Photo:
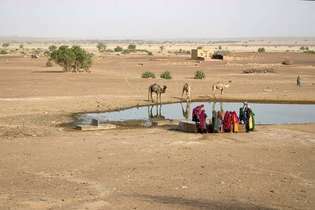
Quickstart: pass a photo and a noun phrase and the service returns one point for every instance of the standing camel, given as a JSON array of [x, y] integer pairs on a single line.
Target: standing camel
[[155, 88], [220, 86], [187, 91]]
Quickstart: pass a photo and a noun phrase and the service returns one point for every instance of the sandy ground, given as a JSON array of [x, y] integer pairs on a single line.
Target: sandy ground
[[45, 165]]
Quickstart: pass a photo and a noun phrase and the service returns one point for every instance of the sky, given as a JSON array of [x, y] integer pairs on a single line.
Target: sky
[[157, 19]]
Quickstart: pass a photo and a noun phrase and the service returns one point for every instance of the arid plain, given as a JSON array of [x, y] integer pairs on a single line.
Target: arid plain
[[45, 164]]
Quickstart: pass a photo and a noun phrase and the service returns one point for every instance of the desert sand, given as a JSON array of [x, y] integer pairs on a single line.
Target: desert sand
[[45, 164]]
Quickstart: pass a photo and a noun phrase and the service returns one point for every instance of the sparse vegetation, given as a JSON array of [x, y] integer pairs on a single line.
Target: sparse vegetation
[[199, 75], [21, 46], [166, 75], [181, 51], [52, 48], [74, 58], [310, 51], [101, 47], [261, 50], [132, 47], [3, 52], [6, 44], [118, 49], [259, 71], [162, 48], [148, 74], [304, 48]]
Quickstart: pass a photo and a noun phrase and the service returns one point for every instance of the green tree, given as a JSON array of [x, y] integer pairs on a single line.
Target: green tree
[[64, 57], [74, 58], [101, 47], [52, 48]]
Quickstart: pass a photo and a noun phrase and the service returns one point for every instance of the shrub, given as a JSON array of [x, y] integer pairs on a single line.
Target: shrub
[[6, 44], [148, 74], [132, 47], [261, 50], [109, 50], [304, 48], [166, 75], [150, 53], [310, 51], [125, 52], [3, 52], [21, 46], [101, 47], [199, 75], [118, 49]]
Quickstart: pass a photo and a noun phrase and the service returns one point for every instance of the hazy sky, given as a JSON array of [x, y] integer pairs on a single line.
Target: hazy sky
[[156, 18]]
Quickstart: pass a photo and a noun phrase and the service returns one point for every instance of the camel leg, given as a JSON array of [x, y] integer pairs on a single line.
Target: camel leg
[[149, 94]]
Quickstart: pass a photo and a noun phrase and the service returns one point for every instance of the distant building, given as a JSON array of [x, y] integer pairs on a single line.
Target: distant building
[[201, 54]]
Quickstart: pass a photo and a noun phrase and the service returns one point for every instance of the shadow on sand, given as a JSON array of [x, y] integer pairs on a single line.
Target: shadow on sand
[[184, 203], [51, 72]]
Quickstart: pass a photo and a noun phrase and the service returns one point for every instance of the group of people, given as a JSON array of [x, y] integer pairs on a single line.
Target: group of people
[[222, 121]]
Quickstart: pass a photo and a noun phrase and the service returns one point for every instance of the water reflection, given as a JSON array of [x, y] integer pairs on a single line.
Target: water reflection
[[187, 110], [155, 112]]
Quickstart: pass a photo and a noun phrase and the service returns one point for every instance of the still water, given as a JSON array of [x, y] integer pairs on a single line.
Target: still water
[[264, 113]]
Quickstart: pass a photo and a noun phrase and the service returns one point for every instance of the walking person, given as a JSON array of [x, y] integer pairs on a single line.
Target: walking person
[[298, 81]]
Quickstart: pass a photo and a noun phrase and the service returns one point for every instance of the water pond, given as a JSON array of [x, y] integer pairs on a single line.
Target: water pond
[[264, 113]]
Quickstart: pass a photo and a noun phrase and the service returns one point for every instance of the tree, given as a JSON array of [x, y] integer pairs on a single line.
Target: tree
[[261, 50], [52, 48], [118, 49], [21, 46], [74, 58], [6, 44], [83, 59], [64, 57], [132, 47], [162, 48], [101, 47]]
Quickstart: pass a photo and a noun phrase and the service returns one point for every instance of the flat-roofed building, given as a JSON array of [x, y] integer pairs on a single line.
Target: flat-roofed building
[[201, 54]]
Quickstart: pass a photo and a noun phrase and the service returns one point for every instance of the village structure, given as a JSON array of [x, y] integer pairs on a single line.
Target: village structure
[[201, 54]]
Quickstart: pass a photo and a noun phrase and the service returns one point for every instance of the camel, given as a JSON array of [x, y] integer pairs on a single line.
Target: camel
[[155, 88], [220, 86], [187, 91]]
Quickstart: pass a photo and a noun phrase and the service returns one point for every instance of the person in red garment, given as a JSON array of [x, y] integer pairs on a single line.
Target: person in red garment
[[202, 120]]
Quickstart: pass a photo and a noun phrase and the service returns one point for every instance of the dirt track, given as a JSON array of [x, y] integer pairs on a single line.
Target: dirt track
[[47, 166]]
